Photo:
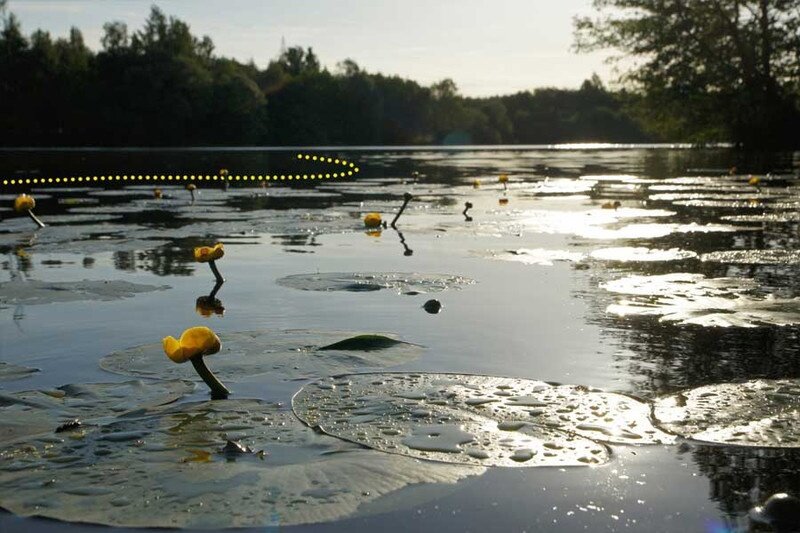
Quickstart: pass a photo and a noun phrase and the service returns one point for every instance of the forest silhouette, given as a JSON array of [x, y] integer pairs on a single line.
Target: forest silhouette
[[161, 85]]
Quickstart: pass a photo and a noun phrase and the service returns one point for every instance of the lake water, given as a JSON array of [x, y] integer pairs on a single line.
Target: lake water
[[547, 303]]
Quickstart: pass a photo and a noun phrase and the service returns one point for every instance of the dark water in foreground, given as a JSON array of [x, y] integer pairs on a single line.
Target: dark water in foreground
[[540, 308]]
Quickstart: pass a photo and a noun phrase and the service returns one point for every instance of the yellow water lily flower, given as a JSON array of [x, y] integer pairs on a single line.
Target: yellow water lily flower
[[204, 254], [194, 342], [23, 203], [754, 180], [374, 233], [190, 186], [223, 172], [476, 184], [157, 194], [503, 178], [372, 220]]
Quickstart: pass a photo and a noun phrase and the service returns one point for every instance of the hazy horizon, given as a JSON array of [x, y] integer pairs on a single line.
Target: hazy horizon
[[487, 49]]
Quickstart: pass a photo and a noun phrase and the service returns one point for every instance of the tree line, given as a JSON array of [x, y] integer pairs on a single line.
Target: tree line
[[161, 85]]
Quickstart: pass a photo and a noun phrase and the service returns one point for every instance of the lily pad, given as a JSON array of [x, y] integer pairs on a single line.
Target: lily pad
[[288, 354], [641, 254], [755, 413], [537, 256], [33, 292], [694, 299], [32, 412], [754, 257], [9, 372], [404, 282], [468, 419], [166, 469]]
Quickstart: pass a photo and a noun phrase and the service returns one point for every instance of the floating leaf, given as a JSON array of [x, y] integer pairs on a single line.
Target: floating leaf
[[755, 413], [404, 282], [291, 354], [537, 256], [754, 257], [33, 412], [631, 254], [364, 343], [694, 299], [168, 468], [9, 372], [481, 420], [32, 292]]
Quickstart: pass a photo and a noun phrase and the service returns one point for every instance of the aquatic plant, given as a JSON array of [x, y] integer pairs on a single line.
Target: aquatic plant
[[467, 207], [208, 305], [503, 178], [195, 344], [476, 184], [25, 203], [616, 204], [373, 220], [157, 193], [191, 187], [406, 198], [210, 254]]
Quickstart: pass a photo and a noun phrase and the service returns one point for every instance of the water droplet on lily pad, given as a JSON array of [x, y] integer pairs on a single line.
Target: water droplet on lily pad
[[168, 468], [685, 298], [403, 282], [468, 419], [754, 413], [754, 257], [288, 354]]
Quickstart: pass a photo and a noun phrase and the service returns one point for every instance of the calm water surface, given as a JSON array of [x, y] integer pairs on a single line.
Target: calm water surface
[[523, 317]]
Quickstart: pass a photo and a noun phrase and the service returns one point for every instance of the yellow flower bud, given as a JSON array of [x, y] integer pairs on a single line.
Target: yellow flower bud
[[754, 180], [157, 194], [372, 220], [503, 178], [476, 184], [204, 254], [23, 203], [196, 341], [191, 187]]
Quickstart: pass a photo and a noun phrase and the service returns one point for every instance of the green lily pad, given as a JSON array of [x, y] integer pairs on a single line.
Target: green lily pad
[[755, 413], [684, 298], [404, 282], [288, 354], [33, 412], [33, 292], [167, 468], [364, 343], [9, 372], [468, 419]]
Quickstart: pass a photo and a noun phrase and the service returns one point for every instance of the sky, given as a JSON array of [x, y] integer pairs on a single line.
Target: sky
[[486, 47]]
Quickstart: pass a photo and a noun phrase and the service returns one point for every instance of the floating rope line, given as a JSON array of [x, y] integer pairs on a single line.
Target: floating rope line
[[349, 169]]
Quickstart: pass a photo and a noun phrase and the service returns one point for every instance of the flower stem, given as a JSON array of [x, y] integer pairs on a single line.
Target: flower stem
[[35, 218], [220, 279], [218, 390], [406, 198], [192, 193]]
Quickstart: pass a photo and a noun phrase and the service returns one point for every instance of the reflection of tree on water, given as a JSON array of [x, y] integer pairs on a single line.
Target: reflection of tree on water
[[162, 261], [741, 478]]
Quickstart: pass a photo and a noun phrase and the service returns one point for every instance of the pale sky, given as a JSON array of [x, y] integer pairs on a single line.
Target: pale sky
[[487, 47]]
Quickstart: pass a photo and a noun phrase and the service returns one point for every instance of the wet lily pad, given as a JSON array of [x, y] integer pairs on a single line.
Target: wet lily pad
[[33, 292], [9, 372], [754, 257], [755, 413], [684, 298], [404, 282], [468, 419], [288, 354], [641, 254], [36, 411], [165, 469], [537, 256]]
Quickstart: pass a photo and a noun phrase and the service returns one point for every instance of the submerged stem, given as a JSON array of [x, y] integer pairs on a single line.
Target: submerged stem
[[35, 218], [218, 390], [192, 193], [220, 279]]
